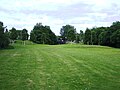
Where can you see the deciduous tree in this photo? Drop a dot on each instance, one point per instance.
(13, 35)
(4, 40)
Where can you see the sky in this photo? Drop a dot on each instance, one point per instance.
(81, 14)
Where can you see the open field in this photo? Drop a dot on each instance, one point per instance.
(60, 67)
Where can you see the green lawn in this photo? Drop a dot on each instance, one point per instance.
(59, 67)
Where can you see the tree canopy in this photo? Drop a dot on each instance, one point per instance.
(107, 36)
(13, 34)
(68, 32)
(43, 35)
(4, 40)
(24, 35)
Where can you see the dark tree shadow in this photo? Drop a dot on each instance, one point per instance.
(9, 47)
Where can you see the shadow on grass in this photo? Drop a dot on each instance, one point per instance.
(87, 46)
(9, 47)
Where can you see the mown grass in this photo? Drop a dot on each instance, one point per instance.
(59, 67)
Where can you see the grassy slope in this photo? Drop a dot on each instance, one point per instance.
(62, 67)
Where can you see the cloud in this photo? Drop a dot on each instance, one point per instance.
(56, 13)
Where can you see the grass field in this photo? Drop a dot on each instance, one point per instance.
(59, 67)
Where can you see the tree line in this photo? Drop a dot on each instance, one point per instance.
(9, 37)
(107, 36)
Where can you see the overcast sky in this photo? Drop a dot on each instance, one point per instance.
(56, 13)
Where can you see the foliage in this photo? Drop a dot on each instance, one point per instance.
(4, 40)
(81, 36)
(24, 35)
(68, 32)
(13, 34)
(93, 38)
(42, 35)
(77, 38)
(107, 36)
(19, 34)
(87, 38)
(115, 38)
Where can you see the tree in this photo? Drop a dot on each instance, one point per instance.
(19, 34)
(4, 40)
(42, 35)
(71, 35)
(32, 36)
(77, 38)
(115, 38)
(107, 36)
(81, 36)
(87, 38)
(98, 31)
(114, 27)
(24, 35)
(113, 30)
(102, 38)
(93, 38)
(53, 38)
(68, 32)
(13, 34)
